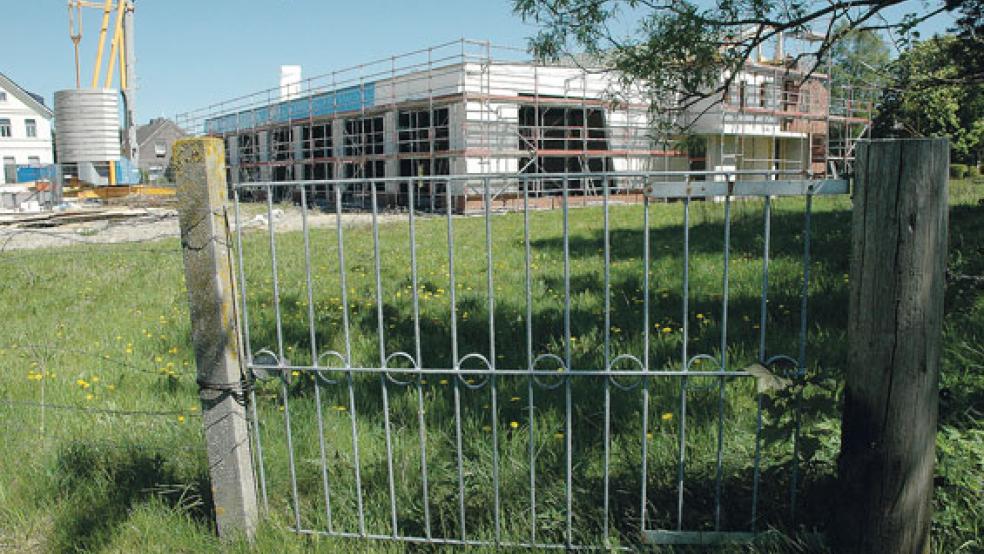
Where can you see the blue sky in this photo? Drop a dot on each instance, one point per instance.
(195, 52)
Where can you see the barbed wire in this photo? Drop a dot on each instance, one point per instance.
(102, 411)
(48, 347)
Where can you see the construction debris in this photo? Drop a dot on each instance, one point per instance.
(57, 219)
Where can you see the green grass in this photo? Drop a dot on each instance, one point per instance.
(106, 327)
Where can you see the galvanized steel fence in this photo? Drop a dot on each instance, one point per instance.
(409, 385)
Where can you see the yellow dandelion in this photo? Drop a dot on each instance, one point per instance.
(514, 424)
(181, 419)
(700, 316)
(649, 436)
(295, 373)
(668, 416)
(667, 330)
(89, 396)
(95, 378)
(514, 399)
(443, 381)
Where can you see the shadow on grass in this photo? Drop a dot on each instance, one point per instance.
(99, 485)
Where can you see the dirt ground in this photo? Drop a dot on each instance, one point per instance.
(152, 224)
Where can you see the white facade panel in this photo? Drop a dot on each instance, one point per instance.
(419, 85)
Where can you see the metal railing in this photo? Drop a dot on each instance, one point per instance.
(407, 422)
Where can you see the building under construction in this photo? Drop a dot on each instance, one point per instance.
(469, 107)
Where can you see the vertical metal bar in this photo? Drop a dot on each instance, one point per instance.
(242, 276)
(280, 360)
(529, 354)
(683, 381)
(801, 362)
(763, 318)
(348, 359)
(420, 363)
(608, 355)
(724, 364)
(249, 352)
(382, 359)
(492, 359)
(568, 442)
(314, 354)
(454, 355)
(645, 365)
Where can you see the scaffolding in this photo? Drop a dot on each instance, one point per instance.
(469, 107)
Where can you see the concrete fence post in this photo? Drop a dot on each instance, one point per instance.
(895, 321)
(200, 175)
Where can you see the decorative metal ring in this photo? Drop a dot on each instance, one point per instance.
(710, 382)
(475, 356)
(268, 358)
(619, 358)
(389, 376)
(562, 370)
(797, 371)
(319, 374)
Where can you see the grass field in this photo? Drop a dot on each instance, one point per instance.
(95, 331)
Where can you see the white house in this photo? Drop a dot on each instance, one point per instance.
(25, 130)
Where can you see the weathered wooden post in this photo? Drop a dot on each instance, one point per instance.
(200, 174)
(898, 259)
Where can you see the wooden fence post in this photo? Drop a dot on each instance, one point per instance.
(898, 260)
(200, 175)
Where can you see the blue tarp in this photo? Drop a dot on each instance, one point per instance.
(127, 173)
(31, 173)
(348, 99)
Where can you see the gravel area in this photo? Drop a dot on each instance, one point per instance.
(152, 224)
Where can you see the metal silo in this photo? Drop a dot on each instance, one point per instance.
(88, 125)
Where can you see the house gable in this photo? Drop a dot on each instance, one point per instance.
(26, 98)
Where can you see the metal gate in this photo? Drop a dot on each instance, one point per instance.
(528, 377)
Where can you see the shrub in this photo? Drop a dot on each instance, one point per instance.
(958, 171)
(973, 172)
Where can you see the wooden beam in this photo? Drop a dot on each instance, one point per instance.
(895, 319)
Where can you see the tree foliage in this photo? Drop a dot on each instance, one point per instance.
(860, 59)
(927, 98)
(683, 51)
